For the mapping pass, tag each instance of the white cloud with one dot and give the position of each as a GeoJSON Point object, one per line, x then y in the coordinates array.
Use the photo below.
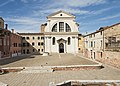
{"type": "Point", "coordinates": [110, 17]}
{"type": "Point", "coordinates": [5, 3]}
{"type": "Point", "coordinates": [78, 3]}
{"type": "Point", "coordinates": [23, 20]}
{"type": "Point", "coordinates": [25, 24]}
{"type": "Point", "coordinates": [49, 11]}
{"type": "Point", "coordinates": [24, 1]}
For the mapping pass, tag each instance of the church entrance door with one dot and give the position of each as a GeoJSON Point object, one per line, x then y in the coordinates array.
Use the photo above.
{"type": "Point", "coordinates": [61, 48]}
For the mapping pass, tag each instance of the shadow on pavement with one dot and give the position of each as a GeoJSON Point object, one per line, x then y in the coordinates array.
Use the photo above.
{"type": "Point", "coordinates": [14, 59]}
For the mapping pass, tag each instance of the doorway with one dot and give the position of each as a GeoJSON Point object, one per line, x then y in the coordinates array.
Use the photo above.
{"type": "Point", "coordinates": [61, 48]}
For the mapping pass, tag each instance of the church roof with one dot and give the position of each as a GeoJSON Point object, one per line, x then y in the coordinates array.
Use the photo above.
{"type": "Point", "coordinates": [61, 11]}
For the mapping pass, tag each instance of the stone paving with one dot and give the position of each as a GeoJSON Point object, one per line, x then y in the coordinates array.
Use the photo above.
{"type": "Point", "coordinates": [44, 79]}
{"type": "Point", "coordinates": [53, 60]}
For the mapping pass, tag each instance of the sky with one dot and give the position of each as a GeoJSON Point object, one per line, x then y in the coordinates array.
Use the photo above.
{"type": "Point", "coordinates": [28, 15]}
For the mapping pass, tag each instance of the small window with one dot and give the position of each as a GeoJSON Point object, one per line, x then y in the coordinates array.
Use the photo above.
{"type": "Point", "coordinates": [60, 14]}
{"type": "Point", "coordinates": [42, 38]}
{"type": "Point", "coordinates": [101, 32]}
{"type": "Point", "coordinates": [79, 48]}
{"type": "Point", "coordinates": [28, 44]}
{"type": "Point", "coordinates": [33, 43]}
{"type": "Point", "coordinates": [94, 43]}
{"type": "Point", "coordinates": [38, 38]}
{"type": "Point", "coordinates": [69, 41]}
{"type": "Point", "coordinates": [101, 54]}
{"type": "Point", "coordinates": [42, 43]}
{"type": "Point", "coordinates": [42, 50]}
{"type": "Point", "coordinates": [91, 44]}
{"type": "Point", "coordinates": [23, 45]}
{"type": "Point", "coordinates": [38, 43]}
{"type": "Point", "coordinates": [33, 50]}
{"type": "Point", "coordinates": [33, 37]}
{"type": "Point", "coordinates": [27, 38]}
{"type": "Point", "coordinates": [53, 41]}
{"type": "Point", "coordinates": [38, 49]}
{"type": "Point", "coordinates": [79, 38]}
{"type": "Point", "coordinates": [23, 37]}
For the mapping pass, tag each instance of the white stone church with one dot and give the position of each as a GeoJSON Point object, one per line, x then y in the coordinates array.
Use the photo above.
{"type": "Point", "coordinates": [61, 33]}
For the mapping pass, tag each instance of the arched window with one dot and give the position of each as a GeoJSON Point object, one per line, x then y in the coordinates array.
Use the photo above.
{"type": "Point", "coordinates": [61, 26]}
{"type": "Point", "coordinates": [54, 29]}
{"type": "Point", "coordinates": [69, 41]}
{"type": "Point", "coordinates": [68, 29]}
{"type": "Point", "coordinates": [53, 41]}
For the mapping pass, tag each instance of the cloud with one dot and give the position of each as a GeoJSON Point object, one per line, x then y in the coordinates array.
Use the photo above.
{"type": "Point", "coordinates": [25, 24]}
{"type": "Point", "coordinates": [78, 3]}
{"type": "Point", "coordinates": [110, 17]}
{"type": "Point", "coordinates": [45, 13]}
{"type": "Point", "coordinates": [23, 20]}
{"type": "Point", "coordinates": [24, 1]}
{"type": "Point", "coordinates": [5, 3]}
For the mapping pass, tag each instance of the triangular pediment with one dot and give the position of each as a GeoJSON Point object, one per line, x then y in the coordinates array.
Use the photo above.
{"type": "Point", "coordinates": [61, 14]}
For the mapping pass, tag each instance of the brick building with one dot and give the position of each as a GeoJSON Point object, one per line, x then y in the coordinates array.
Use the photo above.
{"type": "Point", "coordinates": [15, 48]}
{"type": "Point", "coordinates": [4, 40]}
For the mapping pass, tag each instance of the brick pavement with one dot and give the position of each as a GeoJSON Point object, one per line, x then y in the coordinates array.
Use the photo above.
{"type": "Point", "coordinates": [44, 79]}
{"type": "Point", "coordinates": [54, 60]}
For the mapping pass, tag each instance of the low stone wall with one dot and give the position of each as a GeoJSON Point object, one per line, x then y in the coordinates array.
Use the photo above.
{"type": "Point", "coordinates": [77, 68]}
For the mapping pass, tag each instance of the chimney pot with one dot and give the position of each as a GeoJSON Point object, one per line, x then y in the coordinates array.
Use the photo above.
{"type": "Point", "coordinates": [12, 30]}
{"type": "Point", "coordinates": [6, 26]}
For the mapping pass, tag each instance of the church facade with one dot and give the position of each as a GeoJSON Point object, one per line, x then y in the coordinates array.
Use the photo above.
{"type": "Point", "coordinates": [61, 33]}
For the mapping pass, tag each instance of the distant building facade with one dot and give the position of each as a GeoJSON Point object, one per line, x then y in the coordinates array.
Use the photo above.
{"type": "Point", "coordinates": [80, 43]}
{"type": "Point", "coordinates": [16, 40]}
{"type": "Point", "coordinates": [61, 33]}
{"type": "Point", "coordinates": [94, 44]}
{"type": "Point", "coordinates": [32, 43]}
{"type": "Point", "coordinates": [104, 43]}
{"type": "Point", "coordinates": [4, 40]}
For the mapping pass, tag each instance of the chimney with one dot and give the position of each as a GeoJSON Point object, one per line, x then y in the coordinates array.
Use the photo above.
{"type": "Point", "coordinates": [12, 30]}
{"type": "Point", "coordinates": [6, 26]}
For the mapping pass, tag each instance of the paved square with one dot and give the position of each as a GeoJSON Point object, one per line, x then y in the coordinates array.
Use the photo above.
{"type": "Point", "coordinates": [44, 79]}
{"type": "Point", "coordinates": [53, 60]}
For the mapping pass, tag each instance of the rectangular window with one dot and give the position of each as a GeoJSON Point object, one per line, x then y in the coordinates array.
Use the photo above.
{"type": "Point", "coordinates": [38, 43]}
{"type": "Point", "coordinates": [39, 50]}
{"type": "Point", "coordinates": [61, 26]}
{"type": "Point", "coordinates": [27, 38]}
{"type": "Point", "coordinates": [42, 38]}
{"type": "Point", "coordinates": [33, 43]}
{"type": "Point", "coordinates": [42, 43]}
{"type": "Point", "coordinates": [33, 38]}
{"type": "Point", "coordinates": [33, 50]}
{"type": "Point", "coordinates": [101, 32]}
{"type": "Point", "coordinates": [23, 37]}
{"type": "Point", "coordinates": [94, 43]}
{"type": "Point", "coordinates": [38, 38]}
{"type": "Point", "coordinates": [23, 45]}
{"type": "Point", "coordinates": [91, 44]}
{"type": "Point", "coordinates": [28, 44]}
{"type": "Point", "coordinates": [101, 43]}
